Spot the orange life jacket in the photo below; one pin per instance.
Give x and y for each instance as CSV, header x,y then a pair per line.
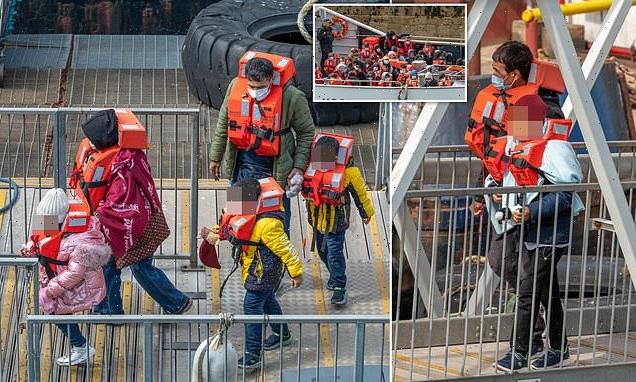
x,y
439,61
330,65
412,83
237,229
489,115
256,125
46,244
328,186
373,41
395,63
92,167
526,157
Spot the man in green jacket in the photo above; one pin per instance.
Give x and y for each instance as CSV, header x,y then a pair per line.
x,y
294,147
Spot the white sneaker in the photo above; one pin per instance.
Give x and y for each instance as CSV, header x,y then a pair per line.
x,y
79,355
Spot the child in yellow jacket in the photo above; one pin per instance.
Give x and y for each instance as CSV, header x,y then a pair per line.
x,y
263,260
330,222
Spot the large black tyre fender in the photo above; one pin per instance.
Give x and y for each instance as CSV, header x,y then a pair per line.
x,y
221,33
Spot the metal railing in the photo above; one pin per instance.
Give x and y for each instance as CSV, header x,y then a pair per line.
x,y
281,365
19,286
454,314
38,146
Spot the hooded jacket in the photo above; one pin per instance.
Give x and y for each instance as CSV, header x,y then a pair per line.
x,y
79,285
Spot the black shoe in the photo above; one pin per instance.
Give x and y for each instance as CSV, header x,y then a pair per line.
x,y
249,361
554,359
339,296
508,363
273,342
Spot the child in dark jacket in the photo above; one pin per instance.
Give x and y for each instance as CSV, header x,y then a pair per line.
x,y
329,220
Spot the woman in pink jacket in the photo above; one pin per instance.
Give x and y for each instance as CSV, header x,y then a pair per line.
x,y
77,286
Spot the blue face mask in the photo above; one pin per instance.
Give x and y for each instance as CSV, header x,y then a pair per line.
x,y
498,82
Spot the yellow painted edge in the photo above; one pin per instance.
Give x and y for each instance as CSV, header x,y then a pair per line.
x,y
379,265
22,359
7,301
185,221
45,360
473,355
98,361
450,370
3,200
321,309
121,357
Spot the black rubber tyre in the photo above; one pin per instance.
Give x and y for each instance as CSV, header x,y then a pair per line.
x,y
221,33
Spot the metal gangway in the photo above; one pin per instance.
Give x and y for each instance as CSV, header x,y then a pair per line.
x,y
38,146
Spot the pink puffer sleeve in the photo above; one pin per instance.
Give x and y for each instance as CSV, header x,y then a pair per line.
x,y
67,280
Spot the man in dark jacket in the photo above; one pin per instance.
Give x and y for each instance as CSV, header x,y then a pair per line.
x,y
294,148
324,35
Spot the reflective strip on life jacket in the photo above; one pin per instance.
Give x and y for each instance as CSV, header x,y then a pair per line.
x,y
328,186
256,125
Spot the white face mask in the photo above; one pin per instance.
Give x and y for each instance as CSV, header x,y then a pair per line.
x,y
259,94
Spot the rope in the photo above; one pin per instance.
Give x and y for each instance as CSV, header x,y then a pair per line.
x,y
14,195
300,21
225,321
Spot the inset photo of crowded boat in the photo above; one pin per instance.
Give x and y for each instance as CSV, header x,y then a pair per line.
x,y
390,53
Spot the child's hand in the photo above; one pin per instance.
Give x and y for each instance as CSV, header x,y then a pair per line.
x,y
366,220
296,281
211,235
24,252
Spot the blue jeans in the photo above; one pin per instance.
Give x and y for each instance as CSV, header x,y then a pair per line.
x,y
260,303
249,168
331,253
76,337
151,278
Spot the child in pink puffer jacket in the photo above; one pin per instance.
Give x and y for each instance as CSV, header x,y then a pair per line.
x,y
77,286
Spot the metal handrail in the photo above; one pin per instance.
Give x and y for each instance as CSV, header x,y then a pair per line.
x,y
213,319
465,148
575,187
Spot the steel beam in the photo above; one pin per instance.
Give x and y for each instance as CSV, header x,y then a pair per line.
x,y
433,113
592,131
600,48
404,224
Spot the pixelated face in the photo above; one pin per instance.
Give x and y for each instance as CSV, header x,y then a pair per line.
x,y
45,223
323,159
520,127
237,203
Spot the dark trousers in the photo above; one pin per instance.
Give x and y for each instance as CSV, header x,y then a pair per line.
x,y
330,248
152,279
260,303
72,331
503,257
546,268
